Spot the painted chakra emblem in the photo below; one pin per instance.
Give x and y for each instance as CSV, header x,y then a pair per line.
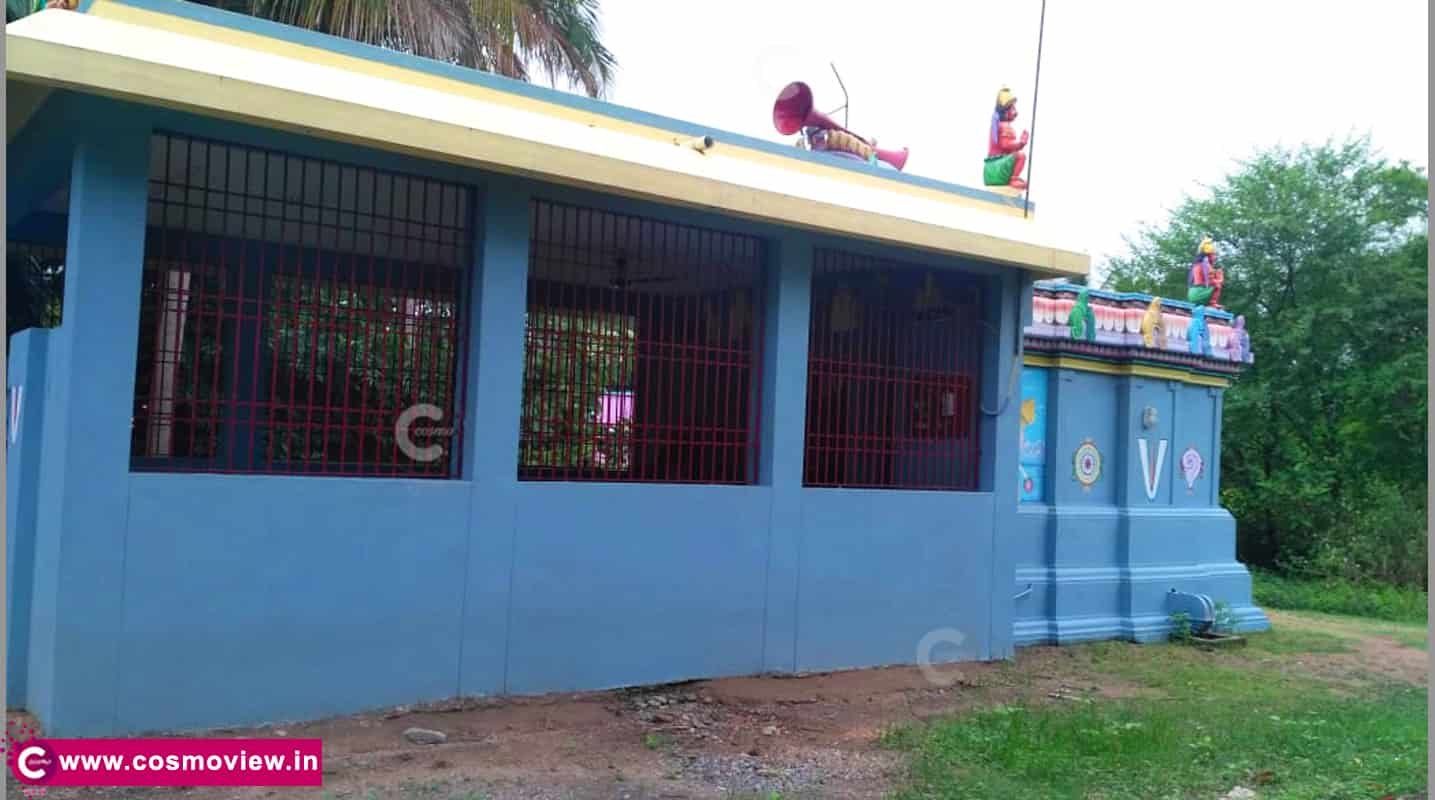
x,y
1191,467
1086,465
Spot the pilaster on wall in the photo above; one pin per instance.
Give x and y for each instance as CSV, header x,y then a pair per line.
x,y
1002,393
498,292
83,501
26,374
784,414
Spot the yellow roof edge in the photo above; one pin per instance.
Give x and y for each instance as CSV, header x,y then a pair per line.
x,y
152,19
60,65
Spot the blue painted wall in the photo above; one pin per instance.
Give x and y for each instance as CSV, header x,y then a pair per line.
x,y
169,601
1101,561
258,597
26,368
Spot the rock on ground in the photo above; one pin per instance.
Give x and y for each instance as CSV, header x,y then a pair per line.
x,y
425,736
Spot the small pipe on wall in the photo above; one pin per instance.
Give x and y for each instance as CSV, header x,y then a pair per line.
x,y
699,143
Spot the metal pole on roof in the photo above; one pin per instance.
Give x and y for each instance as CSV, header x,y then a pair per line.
x,y
845,100
1030,153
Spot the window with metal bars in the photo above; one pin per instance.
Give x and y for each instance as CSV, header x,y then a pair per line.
x,y
893,376
642,350
293,309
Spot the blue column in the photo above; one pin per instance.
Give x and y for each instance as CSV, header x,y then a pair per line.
x,y
26,372
1001,392
784,412
84,483
1001,389
498,303
1214,467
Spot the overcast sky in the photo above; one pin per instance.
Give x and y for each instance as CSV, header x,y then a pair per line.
x,y
1140,102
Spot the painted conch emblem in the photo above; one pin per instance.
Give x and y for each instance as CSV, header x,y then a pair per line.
x,y
1191,466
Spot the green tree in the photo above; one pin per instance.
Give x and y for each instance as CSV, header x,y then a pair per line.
x,y
1324,439
34,287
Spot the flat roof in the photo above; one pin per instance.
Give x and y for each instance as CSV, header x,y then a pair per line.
x,y
213,63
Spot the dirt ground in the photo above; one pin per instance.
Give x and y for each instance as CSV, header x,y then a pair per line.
x,y
1374,655
803,737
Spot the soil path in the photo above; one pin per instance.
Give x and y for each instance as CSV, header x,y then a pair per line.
x,y
812,736
1377,650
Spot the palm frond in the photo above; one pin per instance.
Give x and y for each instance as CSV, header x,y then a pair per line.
x,y
507,37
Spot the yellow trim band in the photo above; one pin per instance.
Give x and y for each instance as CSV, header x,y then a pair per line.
x,y
252,41
1107,368
195,74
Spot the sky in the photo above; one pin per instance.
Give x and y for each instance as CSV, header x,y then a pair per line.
x,y
1141,103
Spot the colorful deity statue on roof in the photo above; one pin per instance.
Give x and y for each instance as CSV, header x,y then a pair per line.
x,y
1204,281
1153,329
1240,340
1081,319
1005,159
1198,335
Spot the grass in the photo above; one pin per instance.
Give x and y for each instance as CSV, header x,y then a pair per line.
x,y
1217,720
1409,634
1419,639
1290,641
1336,596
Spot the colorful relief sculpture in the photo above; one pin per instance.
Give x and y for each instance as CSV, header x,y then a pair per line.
x,y
794,112
1082,319
1197,335
1005,160
1028,416
1032,462
1086,465
1153,330
1240,340
1204,282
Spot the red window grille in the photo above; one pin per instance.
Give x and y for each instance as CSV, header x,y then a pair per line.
x,y
642,350
893,376
293,309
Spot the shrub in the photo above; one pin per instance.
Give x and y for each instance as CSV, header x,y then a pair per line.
x,y
1334,595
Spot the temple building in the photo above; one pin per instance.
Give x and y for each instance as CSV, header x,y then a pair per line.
x,y
380,380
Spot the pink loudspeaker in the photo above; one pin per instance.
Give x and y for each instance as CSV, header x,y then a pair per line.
x,y
794,111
